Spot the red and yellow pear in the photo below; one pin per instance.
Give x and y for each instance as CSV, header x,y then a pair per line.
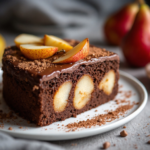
x,y
80,51
136,44
117,25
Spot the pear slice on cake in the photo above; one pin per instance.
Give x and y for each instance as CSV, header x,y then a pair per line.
x,y
28,39
50,40
37,52
80,51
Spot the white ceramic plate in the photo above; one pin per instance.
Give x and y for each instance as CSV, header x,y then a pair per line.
x,y
53,132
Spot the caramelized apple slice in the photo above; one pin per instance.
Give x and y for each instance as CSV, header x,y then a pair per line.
x,y
27,39
37,52
80,51
50,40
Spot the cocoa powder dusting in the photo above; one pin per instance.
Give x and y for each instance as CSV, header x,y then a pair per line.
x,y
126,94
6,117
109,116
101,119
13,54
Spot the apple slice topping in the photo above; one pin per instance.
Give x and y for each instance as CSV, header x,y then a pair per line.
x,y
27,39
80,51
50,40
37,52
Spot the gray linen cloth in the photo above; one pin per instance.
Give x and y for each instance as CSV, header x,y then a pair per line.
x,y
9,143
75,19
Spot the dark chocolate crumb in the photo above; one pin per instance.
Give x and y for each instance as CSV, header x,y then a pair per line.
x,y
10,128
106,145
123,133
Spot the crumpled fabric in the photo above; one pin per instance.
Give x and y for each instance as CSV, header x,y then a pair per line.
x,y
75,19
9,143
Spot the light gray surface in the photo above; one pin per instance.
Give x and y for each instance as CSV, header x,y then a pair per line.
x,y
138,129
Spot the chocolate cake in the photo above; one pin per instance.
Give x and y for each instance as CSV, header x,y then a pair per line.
x,y
43,92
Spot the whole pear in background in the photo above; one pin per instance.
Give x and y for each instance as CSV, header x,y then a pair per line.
x,y
117,25
136,43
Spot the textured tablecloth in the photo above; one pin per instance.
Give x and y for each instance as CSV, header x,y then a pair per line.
x,y
9,143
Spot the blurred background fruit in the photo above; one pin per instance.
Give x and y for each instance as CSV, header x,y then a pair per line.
x,y
136,43
117,25
2,47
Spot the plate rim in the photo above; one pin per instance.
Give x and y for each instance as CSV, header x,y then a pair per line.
x,y
94,131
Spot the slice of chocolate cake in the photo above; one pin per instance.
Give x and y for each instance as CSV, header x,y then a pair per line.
x,y
44,92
